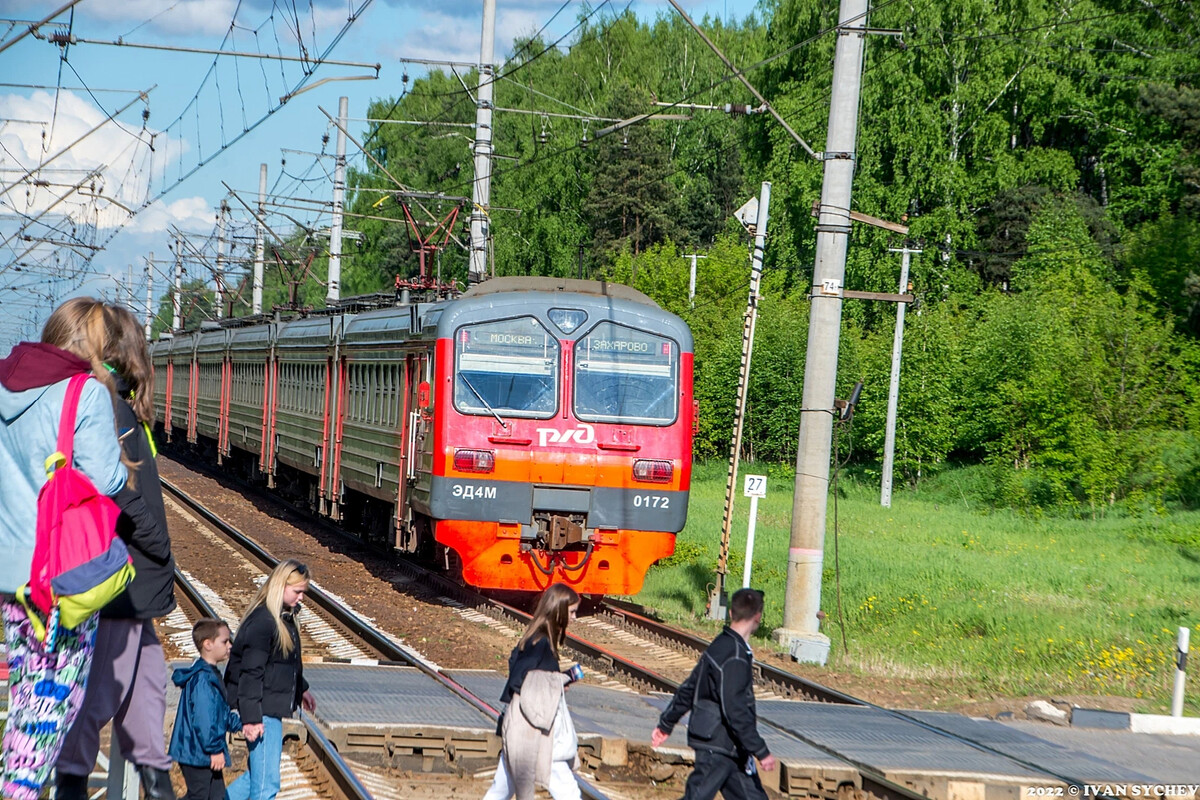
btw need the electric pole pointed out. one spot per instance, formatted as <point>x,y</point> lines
<point>482,186</point>
<point>149,293</point>
<point>220,276</point>
<point>256,295</point>
<point>692,279</point>
<point>177,300</point>
<point>800,631</point>
<point>889,441</point>
<point>339,193</point>
<point>754,216</point>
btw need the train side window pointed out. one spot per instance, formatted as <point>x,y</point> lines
<point>372,391</point>
<point>389,394</point>
<point>506,367</point>
<point>626,375</point>
<point>376,372</point>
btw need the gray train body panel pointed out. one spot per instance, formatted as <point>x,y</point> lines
<point>211,349</point>
<point>183,350</point>
<point>249,349</point>
<point>383,351</point>
<point>304,350</point>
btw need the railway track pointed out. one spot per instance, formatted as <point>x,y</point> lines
<point>632,617</point>
<point>319,766</point>
<point>385,647</point>
<point>635,627</point>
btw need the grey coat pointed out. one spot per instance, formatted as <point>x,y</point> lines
<point>527,731</point>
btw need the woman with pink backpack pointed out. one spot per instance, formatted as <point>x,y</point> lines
<point>48,668</point>
<point>128,681</point>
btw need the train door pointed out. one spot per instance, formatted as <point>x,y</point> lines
<point>193,396</point>
<point>223,408</point>
<point>167,403</point>
<point>337,419</point>
<point>408,535</point>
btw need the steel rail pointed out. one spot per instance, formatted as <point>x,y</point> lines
<point>636,616</point>
<point>338,770</point>
<point>625,608</point>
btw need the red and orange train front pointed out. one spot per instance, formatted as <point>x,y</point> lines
<point>561,444</point>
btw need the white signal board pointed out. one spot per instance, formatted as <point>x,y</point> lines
<point>755,486</point>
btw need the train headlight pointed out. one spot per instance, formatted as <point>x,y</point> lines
<point>474,460</point>
<point>649,471</point>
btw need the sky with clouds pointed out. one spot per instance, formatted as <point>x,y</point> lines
<point>184,139</point>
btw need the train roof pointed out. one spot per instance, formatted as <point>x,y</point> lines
<point>312,331</point>
<point>532,283</point>
<point>498,297</point>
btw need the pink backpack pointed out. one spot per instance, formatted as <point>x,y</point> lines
<point>79,562</point>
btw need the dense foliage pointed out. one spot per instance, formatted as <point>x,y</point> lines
<point>1045,155</point>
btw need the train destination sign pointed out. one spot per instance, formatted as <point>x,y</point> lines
<point>618,346</point>
<point>510,338</point>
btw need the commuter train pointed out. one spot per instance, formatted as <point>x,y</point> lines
<point>531,431</point>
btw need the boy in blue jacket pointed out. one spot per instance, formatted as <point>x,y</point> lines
<point>203,718</point>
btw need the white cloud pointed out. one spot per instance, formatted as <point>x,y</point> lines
<point>112,159</point>
<point>450,37</point>
<point>188,213</point>
<point>187,17</point>
<point>207,17</point>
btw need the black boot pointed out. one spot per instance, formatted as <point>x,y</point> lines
<point>156,783</point>
<point>70,787</point>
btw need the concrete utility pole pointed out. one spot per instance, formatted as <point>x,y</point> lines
<point>261,216</point>
<point>800,631</point>
<point>339,193</point>
<point>717,602</point>
<point>889,441</point>
<point>692,279</point>
<point>481,188</point>
<point>177,300</point>
<point>149,294</point>
<point>220,276</point>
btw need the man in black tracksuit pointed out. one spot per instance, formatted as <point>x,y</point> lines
<point>723,729</point>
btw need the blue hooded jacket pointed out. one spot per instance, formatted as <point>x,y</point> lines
<point>33,385</point>
<point>203,717</point>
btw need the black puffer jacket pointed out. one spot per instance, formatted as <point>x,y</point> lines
<point>720,695</point>
<point>142,526</point>
<point>260,680</point>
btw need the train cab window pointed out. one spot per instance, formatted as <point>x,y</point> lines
<point>626,375</point>
<point>509,367</point>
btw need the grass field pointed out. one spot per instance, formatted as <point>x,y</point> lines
<point>937,589</point>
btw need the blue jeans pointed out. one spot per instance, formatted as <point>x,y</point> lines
<point>261,780</point>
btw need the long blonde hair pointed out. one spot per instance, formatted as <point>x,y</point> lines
<point>288,573</point>
<point>79,326</point>
<point>551,616</point>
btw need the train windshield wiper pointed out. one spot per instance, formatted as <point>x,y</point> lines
<point>486,405</point>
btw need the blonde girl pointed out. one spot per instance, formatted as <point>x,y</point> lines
<point>265,677</point>
<point>46,687</point>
